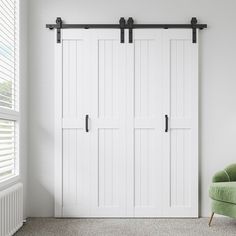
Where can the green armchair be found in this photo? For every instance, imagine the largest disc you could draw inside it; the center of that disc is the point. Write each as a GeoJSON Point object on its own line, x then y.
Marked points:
{"type": "Point", "coordinates": [223, 192]}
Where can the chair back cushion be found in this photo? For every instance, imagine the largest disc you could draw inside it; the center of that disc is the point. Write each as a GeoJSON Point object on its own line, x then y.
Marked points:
{"type": "Point", "coordinates": [231, 172]}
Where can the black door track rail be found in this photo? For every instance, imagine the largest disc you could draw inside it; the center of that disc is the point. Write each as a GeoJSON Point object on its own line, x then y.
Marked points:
{"type": "Point", "coordinates": [129, 25]}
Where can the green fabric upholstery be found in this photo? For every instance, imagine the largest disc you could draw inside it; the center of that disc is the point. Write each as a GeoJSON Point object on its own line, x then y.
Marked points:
{"type": "Point", "coordinates": [231, 171]}
{"type": "Point", "coordinates": [223, 192]}
{"type": "Point", "coordinates": [228, 174]}
{"type": "Point", "coordinates": [220, 176]}
{"type": "Point", "coordinates": [224, 208]}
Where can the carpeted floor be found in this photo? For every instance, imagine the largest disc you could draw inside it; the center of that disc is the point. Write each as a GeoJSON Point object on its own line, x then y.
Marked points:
{"type": "Point", "coordinates": [130, 227]}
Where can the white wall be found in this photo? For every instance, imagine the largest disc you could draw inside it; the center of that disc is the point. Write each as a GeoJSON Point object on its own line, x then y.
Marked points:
{"type": "Point", "coordinates": [23, 97]}
{"type": "Point", "coordinates": [217, 80]}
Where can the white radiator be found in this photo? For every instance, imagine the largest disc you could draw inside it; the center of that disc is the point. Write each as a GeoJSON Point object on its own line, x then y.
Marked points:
{"type": "Point", "coordinates": [11, 209]}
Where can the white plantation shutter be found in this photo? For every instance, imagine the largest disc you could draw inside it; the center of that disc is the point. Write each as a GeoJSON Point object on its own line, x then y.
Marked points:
{"type": "Point", "coordinates": [9, 98]}
{"type": "Point", "coordinates": [8, 53]}
{"type": "Point", "coordinates": [7, 148]}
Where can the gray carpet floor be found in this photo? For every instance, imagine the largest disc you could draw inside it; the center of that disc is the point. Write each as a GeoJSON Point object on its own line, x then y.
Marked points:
{"type": "Point", "coordinates": [130, 227]}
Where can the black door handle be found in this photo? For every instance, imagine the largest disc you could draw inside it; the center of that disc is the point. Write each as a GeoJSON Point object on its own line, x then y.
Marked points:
{"type": "Point", "coordinates": [86, 123]}
{"type": "Point", "coordinates": [166, 123]}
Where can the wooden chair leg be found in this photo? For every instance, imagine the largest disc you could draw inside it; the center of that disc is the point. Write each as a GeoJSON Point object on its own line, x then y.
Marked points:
{"type": "Point", "coordinates": [211, 219]}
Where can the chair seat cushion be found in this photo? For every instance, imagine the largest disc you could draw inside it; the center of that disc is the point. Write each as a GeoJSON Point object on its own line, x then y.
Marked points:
{"type": "Point", "coordinates": [223, 191]}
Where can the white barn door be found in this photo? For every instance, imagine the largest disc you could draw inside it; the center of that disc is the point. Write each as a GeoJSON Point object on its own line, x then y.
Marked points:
{"type": "Point", "coordinates": [94, 160]}
{"type": "Point", "coordinates": [126, 164]}
{"type": "Point", "coordinates": [181, 141]}
{"type": "Point", "coordinates": [164, 83]}
{"type": "Point", "coordinates": [76, 93]}
{"type": "Point", "coordinates": [108, 116]}
{"type": "Point", "coordinates": [145, 127]}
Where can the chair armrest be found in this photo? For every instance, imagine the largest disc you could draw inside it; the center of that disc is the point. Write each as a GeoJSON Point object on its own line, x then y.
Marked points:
{"type": "Point", "coordinates": [220, 176]}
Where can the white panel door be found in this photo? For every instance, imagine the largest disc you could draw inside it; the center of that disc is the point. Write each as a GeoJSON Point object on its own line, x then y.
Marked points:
{"type": "Point", "coordinates": [94, 162]}
{"type": "Point", "coordinates": [108, 117]}
{"type": "Point", "coordinates": [181, 140]}
{"type": "Point", "coordinates": [145, 126]}
{"type": "Point", "coordinates": [76, 161]}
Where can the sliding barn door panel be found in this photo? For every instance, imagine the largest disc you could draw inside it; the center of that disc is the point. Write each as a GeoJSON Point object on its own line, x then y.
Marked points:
{"type": "Point", "coordinates": [182, 159]}
{"type": "Point", "coordinates": [75, 103]}
{"type": "Point", "coordinates": [107, 123]}
{"type": "Point", "coordinates": [147, 114]}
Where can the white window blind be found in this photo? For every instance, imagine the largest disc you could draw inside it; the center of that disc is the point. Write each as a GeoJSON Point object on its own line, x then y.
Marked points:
{"type": "Point", "coordinates": [8, 53]}
{"type": "Point", "coordinates": [7, 148]}
{"type": "Point", "coordinates": [9, 84]}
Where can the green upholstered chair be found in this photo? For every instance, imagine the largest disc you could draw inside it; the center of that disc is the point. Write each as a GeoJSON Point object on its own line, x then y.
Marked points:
{"type": "Point", "coordinates": [223, 192]}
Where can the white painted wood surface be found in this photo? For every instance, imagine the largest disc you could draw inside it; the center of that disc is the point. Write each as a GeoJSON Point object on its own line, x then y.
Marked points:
{"type": "Point", "coordinates": [146, 127]}
{"type": "Point", "coordinates": [126, 165]}
{"type": "Point", "coordinates": [76, 95]}
{"type": "Point", "coordinates": [181, 142]}
{"type": "Point", "coordinates": [108, 115]}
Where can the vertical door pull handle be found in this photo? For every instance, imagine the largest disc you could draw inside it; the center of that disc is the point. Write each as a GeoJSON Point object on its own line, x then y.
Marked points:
{"type": "Point", "coordinates": [166, 123]}
{"type": "Point", "coordinates": [86, 123]}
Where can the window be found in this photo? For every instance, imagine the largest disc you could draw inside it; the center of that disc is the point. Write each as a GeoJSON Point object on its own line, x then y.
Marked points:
{"type": "Point", "coordinates": [9, 92]}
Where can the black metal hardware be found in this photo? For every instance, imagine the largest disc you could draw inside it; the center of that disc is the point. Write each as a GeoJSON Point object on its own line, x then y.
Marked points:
{"type": "Point", "coordinates": [59, 26]}
{"type": "Point", "coordinates": [135, 26]}
{"type": "Point", "coordinates": [86, 123]}
{"type": "Point", "coordinates": [194, 23]}
{"type": "Point", "coordinates": [166, 123]}
{"type": "Point", "coordinates": [130, 24]}
{"type": "Point", "coordinates": [122, 29]}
